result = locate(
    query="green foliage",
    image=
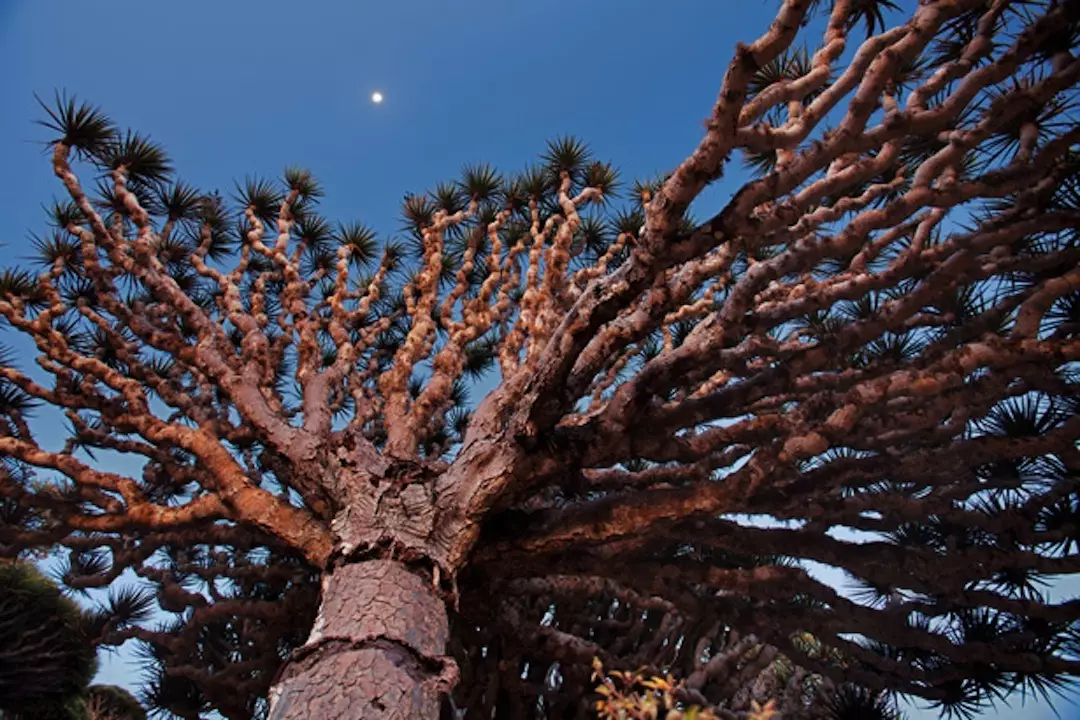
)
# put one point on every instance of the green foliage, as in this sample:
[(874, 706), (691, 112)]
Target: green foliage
[(21, 284), (64, 214), (74, 708), (605, 178), (789, 65), (80, 126), (759, 163), (47, 651), (566, 155), (261, 196), (143, 161), (361, 240), (851, 702), (871, 13), (177, 201), (108, 702), (448, 197), (301, 181), (13, 400), (56, 247), (480, 182)]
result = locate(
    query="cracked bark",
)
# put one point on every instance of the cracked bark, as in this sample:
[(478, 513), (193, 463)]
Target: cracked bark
[(376, 650)]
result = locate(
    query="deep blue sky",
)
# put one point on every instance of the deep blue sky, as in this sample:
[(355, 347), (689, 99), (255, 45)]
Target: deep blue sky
[(235, 88)]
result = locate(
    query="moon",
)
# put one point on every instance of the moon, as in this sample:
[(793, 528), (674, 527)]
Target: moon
[(376, 97)]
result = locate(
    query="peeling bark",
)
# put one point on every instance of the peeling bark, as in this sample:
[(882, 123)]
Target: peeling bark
[(376, 651)]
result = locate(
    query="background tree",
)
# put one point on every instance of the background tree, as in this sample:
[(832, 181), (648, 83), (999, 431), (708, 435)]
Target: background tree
[(50, 640), (46, 658), (96, 702), (108, 702), (49, 652), (872, 344)]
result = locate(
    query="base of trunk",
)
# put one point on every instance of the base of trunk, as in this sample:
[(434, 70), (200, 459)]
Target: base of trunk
[(376, 650)]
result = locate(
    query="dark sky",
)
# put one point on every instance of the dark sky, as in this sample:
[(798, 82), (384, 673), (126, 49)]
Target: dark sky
[(236, 88)]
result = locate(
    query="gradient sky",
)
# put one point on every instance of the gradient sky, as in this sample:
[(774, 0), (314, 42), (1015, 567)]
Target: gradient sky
[(235, 88)]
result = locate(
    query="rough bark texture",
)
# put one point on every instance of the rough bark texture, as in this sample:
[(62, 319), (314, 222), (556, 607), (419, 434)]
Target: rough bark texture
[(376, 651)]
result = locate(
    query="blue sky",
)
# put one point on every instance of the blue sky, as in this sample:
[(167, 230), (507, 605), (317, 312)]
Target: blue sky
[(237, 88)]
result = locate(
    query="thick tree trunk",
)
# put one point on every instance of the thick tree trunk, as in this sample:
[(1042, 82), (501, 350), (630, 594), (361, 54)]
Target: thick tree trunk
[(376, 650)]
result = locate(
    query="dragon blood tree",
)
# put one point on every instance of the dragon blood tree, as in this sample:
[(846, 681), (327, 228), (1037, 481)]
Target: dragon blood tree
[(873, 344)]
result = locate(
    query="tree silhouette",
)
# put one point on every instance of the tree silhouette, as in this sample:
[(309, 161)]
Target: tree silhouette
[(46, 658), (866, 358), (49, 648)]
